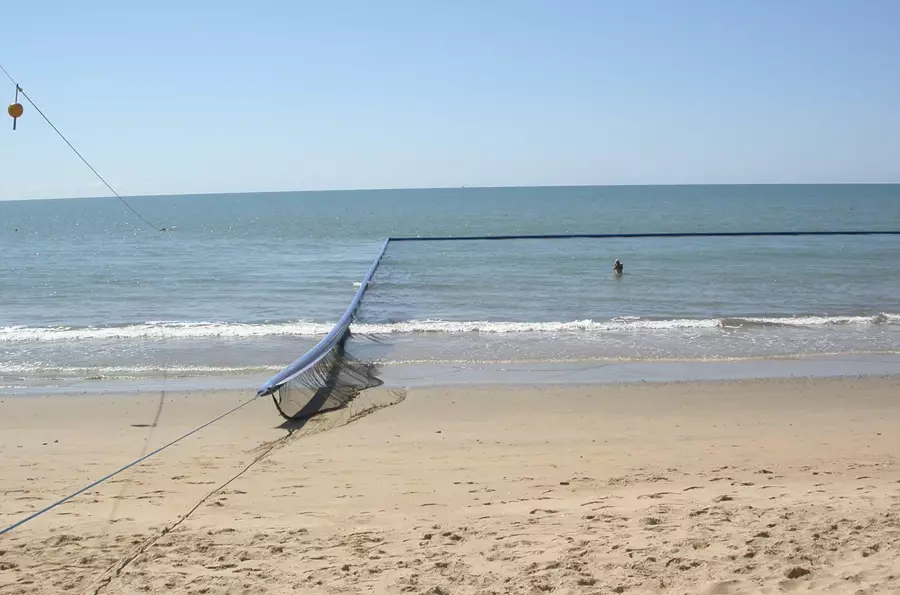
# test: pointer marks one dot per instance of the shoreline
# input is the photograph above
(705, 486)
(586, 372)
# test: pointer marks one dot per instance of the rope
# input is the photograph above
(80, 156)
(46, 509)
(117, 567)
(696, 234)
(147, 439)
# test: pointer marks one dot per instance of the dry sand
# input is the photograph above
(726, 487)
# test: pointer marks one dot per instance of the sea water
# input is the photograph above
(243, 284)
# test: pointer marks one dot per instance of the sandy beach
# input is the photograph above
(751, 486)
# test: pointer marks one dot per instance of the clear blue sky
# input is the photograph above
(227, 96)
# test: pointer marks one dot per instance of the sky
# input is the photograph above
(199, 96)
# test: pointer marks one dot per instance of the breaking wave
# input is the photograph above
(225, 330)
(101, 371)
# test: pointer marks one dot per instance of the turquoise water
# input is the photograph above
(246, 283)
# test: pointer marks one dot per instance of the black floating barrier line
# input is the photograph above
(695, 234)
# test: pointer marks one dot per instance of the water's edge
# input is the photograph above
(603, 372)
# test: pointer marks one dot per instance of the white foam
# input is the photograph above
(814, 321)
(157, 330)
(130, 371)
(616, 324)
(162, 330)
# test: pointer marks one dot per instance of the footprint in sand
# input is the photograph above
(655, 495)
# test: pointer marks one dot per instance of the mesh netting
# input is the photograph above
(335, 380)
(327, 377)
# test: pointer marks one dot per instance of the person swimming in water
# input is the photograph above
(618, 267)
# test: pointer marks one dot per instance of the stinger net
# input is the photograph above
(327, 377)
(331, 383)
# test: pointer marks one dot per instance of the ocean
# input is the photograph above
(243, 284)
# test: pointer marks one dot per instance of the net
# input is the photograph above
(327, 377)
(330, 384)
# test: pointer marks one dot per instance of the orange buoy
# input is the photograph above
(15, 110)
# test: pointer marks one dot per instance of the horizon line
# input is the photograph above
(460, 187)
